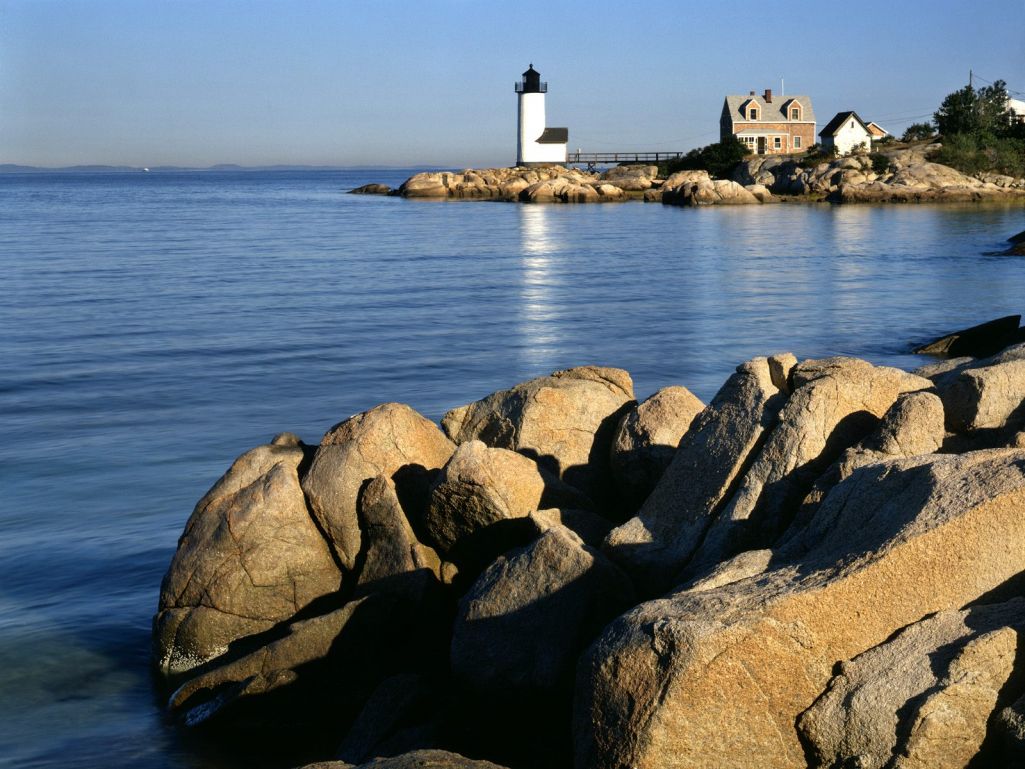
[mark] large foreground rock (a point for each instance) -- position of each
(250, 557)
(646, 440)
(836, 402)
(328, 665)
(480, 486)
(390, 547)
(523, 623)
(986, 397)
(391, 439)
(655, 544)
(924, 698)
(406, 712)
(565, 422)
(912, 426)
(718, 677)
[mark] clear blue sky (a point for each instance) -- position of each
(197, 82)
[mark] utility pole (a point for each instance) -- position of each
(970, 75)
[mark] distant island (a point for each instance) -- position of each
(14, 168)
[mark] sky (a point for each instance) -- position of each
(416, 82)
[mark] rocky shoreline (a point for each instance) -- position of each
(909, 177)
(821, 567)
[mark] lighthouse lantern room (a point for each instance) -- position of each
(537, 144)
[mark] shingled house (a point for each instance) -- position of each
(769, 125)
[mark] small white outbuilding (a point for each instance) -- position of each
(1016, 110)
(845, 133)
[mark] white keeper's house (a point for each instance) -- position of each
(537, 144)
(845, 133)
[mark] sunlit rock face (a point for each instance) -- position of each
(565, 421)
(391, 439)
(925, 697)
(712, 677)
(646, 440)
(659, 541)
(697, 188)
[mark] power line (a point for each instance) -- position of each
(903, 117)
(990, 82)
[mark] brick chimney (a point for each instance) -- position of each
(752, 93)
(768, 96)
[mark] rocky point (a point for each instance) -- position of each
(823, 567)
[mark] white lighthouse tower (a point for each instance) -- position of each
(535, 143)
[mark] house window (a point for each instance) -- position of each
(852, 124)
(795, 113)
(777, 142)
(752, 113)
(797, 142)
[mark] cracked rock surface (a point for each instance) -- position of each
(391, 439)
(249, 558)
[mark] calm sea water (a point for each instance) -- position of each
(157, 325)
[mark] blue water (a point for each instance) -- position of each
(154, 326)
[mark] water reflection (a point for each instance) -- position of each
(540, 318)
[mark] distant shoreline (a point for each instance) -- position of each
(14, 168)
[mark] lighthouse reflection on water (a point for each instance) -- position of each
(541, 319)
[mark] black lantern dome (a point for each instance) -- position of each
(531, 82)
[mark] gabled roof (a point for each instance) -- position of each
(785, 108)
(876, 130)
(833, 125)
(736, 106)
(554, 136)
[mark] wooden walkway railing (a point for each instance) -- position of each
(595, 158)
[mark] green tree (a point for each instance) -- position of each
(971, 111)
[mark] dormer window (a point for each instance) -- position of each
(795, 113)
(752, 113)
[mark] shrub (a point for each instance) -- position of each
(918, 131)
(814, 156)
(978, 153)
(718, 159)
(880, 163)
